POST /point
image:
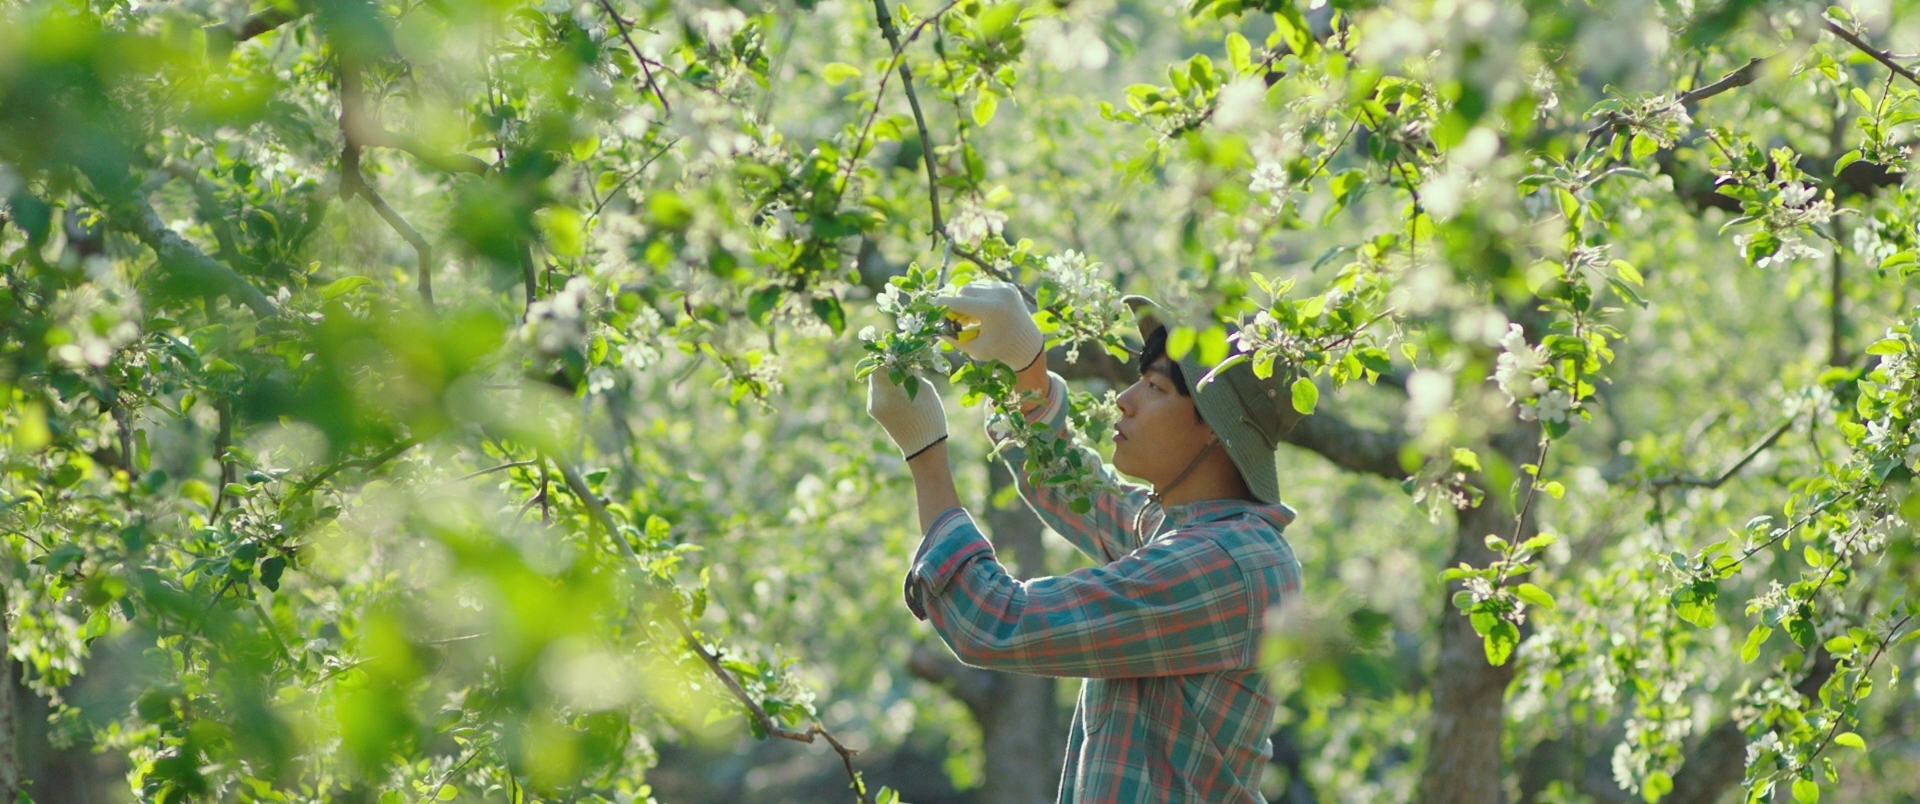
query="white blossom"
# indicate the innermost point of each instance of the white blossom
(1516, 368)
(1268, 177)
(1552, 406)
(972, 223)
(558, 321)
(1795, 194)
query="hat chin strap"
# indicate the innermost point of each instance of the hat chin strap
(1159, 493)
(1139, 516)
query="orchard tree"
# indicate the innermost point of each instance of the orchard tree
(425, 401)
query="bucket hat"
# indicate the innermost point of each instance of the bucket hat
(1249, 414)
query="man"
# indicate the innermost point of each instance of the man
(1167, 629)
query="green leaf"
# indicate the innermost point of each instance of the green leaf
(270, 571)
(1850, 740)
(1656, 786)
(839, 72)
(1644, 146)
(1887, 346)
(761, 304)
(1180, 342)
(828, 309)
(1534, 595)
(344, 286)
(1755, 638)
(448, 792)
(1807, 791)
(1695, 602)
(1306, 395)
(1861, 97)
(1239, 51)
(1500, 641)
(1213, 345)
(1840, 644)
(997, 20)
(984, 106)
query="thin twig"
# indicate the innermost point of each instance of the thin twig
(892, 34)
(1782, 533)
(597, 512)
(1723, 477)
(364, 463)
(434, 793)
(645, 69)
(501, 467)
(1834, 730)
(357, 131)
(880, 93)
(1328, 156)
(602, 203)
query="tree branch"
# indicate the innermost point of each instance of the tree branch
(971, 685)
(670, 609)
(1349, 446)
(1732, 80)
(892, 34)
(1715, 482)
(645, 69)
(222, 38)
(1878, 55)
(370, 462)
(377, 137)
(184, 259)
(358, 132)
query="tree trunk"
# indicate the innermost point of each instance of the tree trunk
(9, 734)
(1469, 695)
(1016, 713)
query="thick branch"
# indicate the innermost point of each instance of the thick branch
(1878, 55)
(222, 38)
(1349, 446)
(265, 21)
(1737, 78)
(377, 137)
(184, 259)
(971, 685)
(1715, 482)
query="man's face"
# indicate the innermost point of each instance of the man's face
(1159, 432)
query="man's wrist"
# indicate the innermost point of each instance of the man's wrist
(1035, 383)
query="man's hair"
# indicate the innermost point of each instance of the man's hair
(1156, 348)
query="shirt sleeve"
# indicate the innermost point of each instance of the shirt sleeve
(1106, 531)
(1177, 606)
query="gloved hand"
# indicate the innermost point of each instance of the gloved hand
(914, 423)
(1006, 331)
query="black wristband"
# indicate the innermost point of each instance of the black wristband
(917, 453)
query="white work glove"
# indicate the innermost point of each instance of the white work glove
(996, 324)
(915, 423)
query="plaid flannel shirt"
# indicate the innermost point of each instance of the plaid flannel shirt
(1166, 631)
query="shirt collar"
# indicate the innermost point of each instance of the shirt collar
(1202, 511)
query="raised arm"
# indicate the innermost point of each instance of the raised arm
(1181, 605)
